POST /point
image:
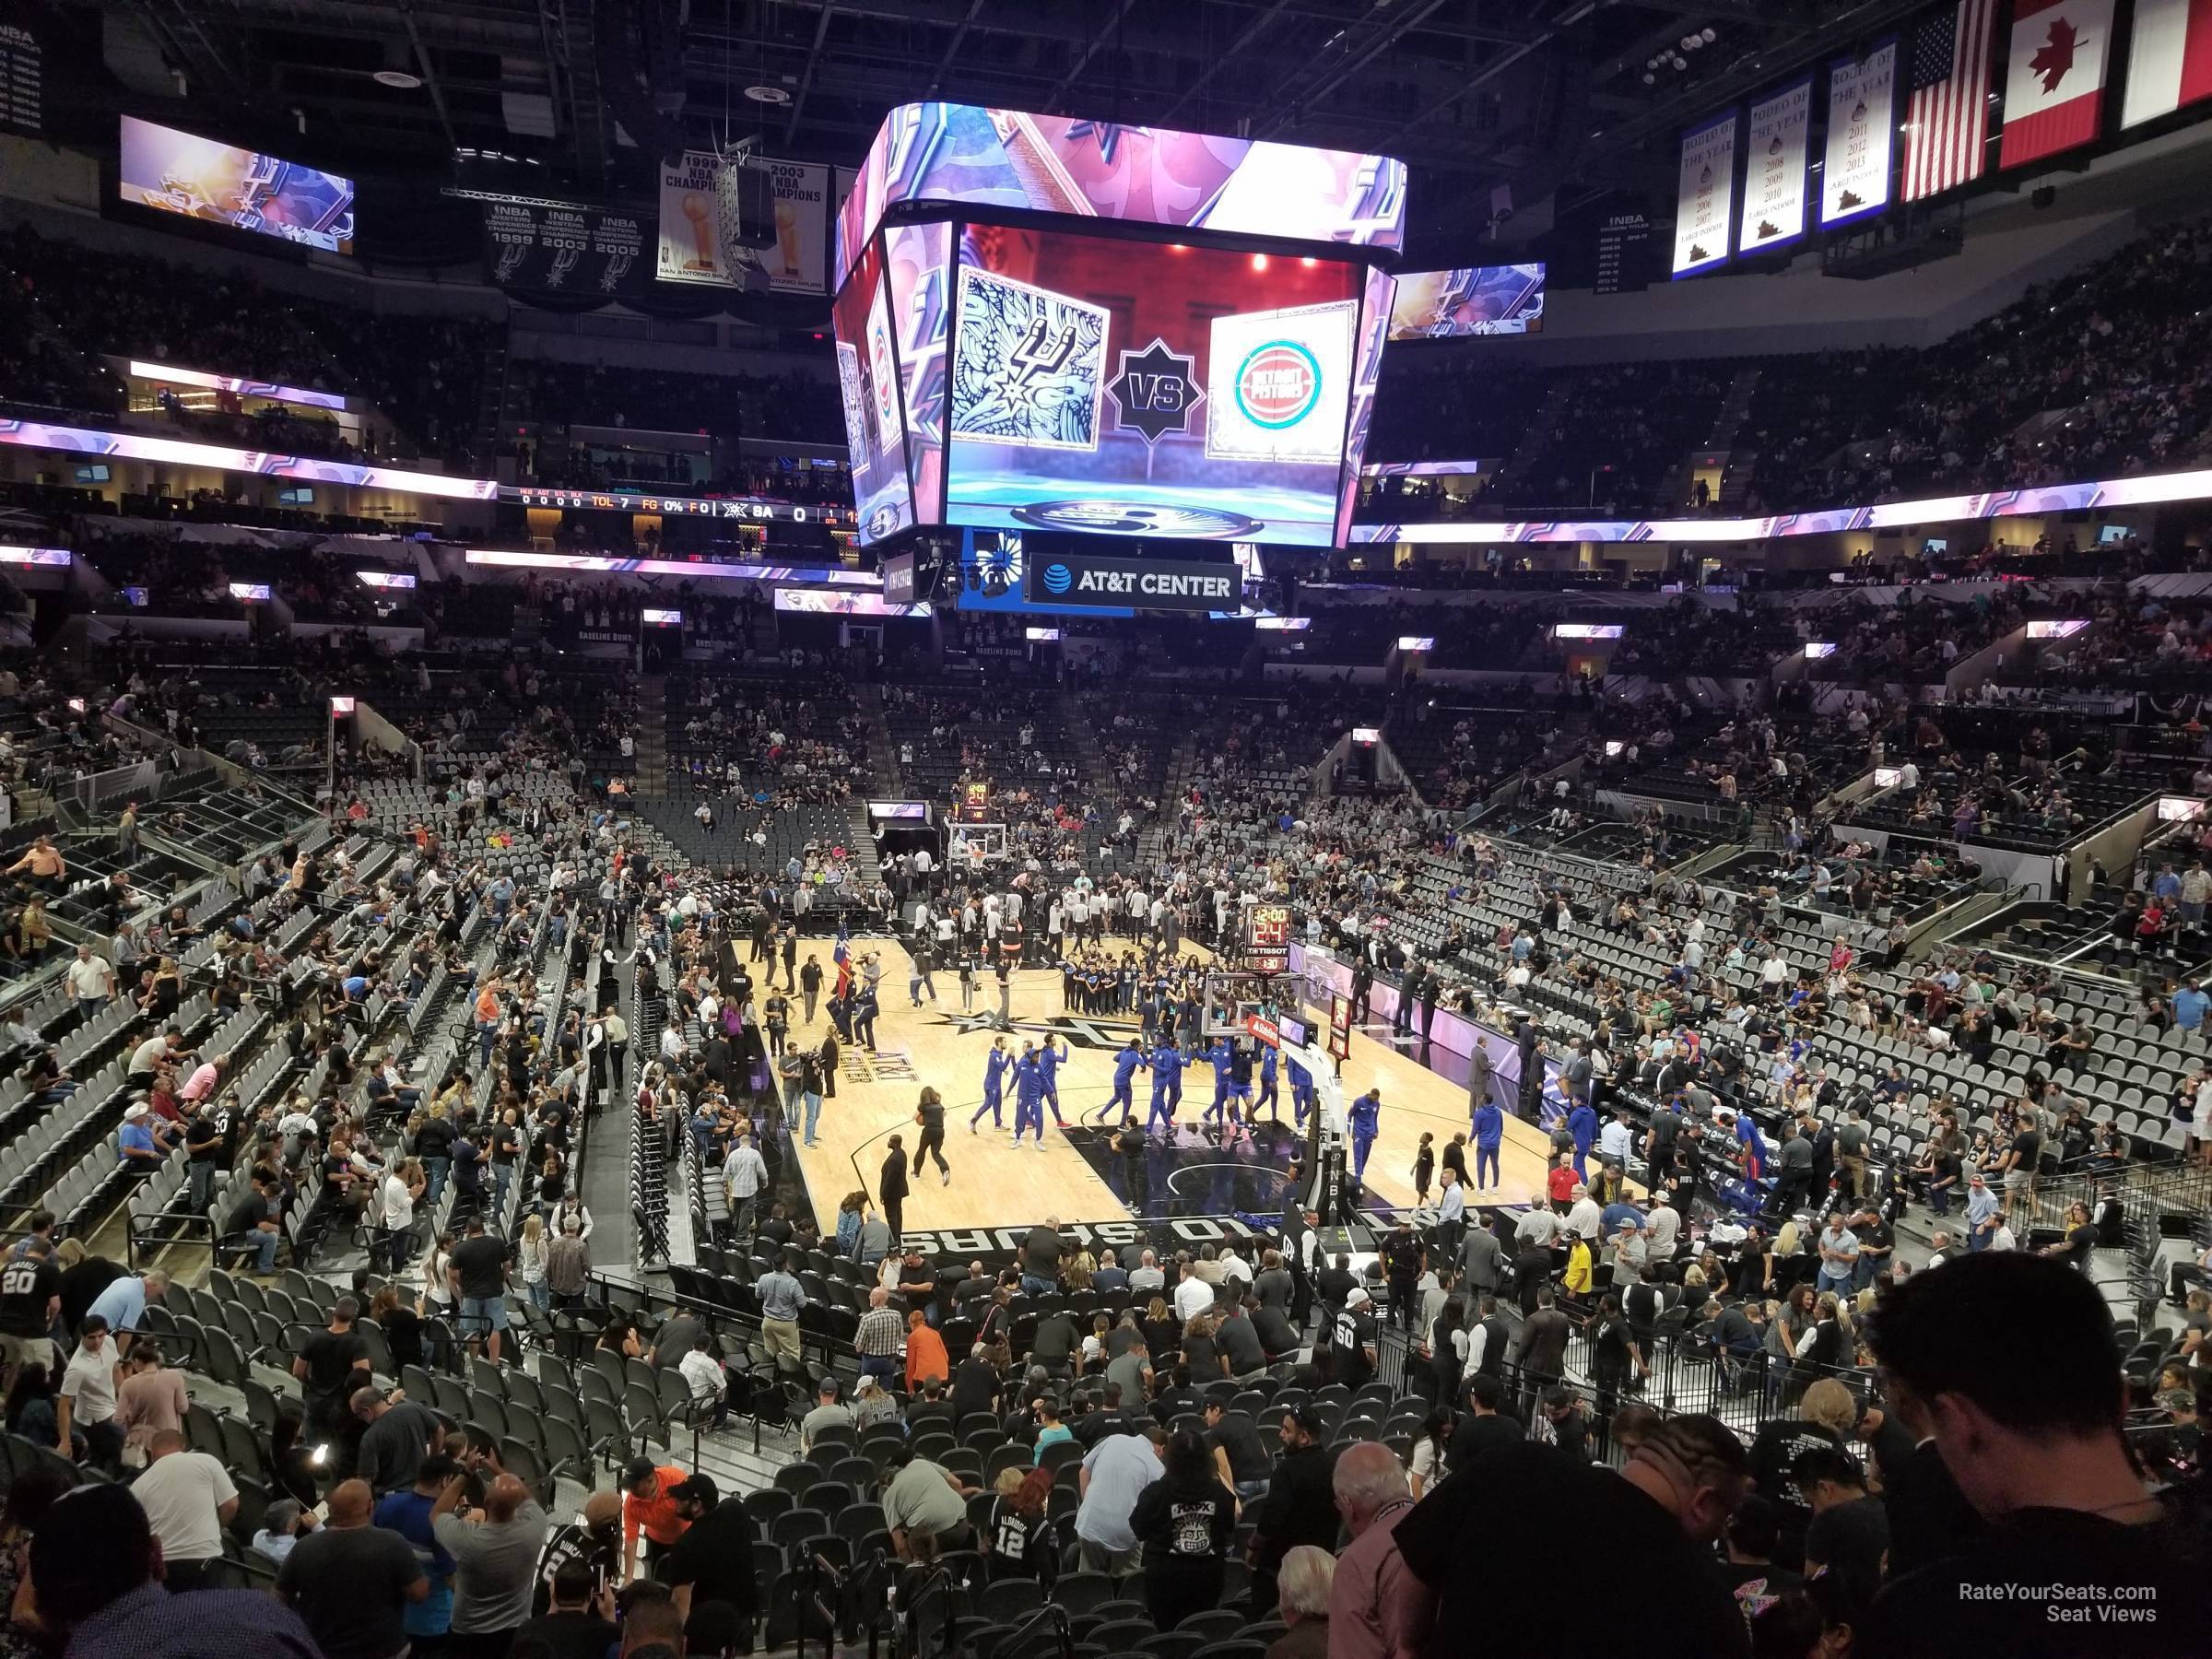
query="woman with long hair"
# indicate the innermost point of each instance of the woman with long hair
(1425, 1468)
(1018, 1541)
(848, 1224)
(530, 1254)
(1183, 1521)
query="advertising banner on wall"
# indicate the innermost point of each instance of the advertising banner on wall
(1774, 151)
(1862, 102)
(1703, 204)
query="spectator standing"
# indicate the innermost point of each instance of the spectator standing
(88, 1404)
(188, 1501)
(1300, 1504)
(1371, 1494)
(650, 1509)
(352, 1582)
(494, 1558)
(408, 1514)
(1114, 1475)
(709, 1571)
(1182, 1522)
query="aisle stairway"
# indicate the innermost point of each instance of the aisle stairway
(1082, 738)
(652, 737)
(883, 754)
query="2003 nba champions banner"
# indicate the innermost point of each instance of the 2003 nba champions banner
(1703, 207)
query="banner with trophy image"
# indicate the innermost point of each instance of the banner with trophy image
(691, 250)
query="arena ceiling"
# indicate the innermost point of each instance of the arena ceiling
(1476, 95)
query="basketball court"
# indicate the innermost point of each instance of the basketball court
(1078, 1176)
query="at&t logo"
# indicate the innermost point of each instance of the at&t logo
(1056, 579)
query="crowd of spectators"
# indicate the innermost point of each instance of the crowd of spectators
(793, 407)
(425, 373)
(2112, 354)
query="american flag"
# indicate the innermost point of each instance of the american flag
(1947, 113)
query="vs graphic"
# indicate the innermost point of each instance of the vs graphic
(1155, 391)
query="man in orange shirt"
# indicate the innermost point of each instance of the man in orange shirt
(487, 1020)
(651, 1506)
(924, 1353)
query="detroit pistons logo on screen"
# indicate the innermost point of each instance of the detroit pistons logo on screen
(1278, 384)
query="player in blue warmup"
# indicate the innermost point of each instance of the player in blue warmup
(1268, 1097)
(1218, 1057)
(1048, 1061)
(1489, 1130)
(1240, 1109)
(1366, 1115)
(1581, 1122)
(1301, 1088)
(1126, 1065)
(1029, 1094)
(995, 1077)
(1166, 1086)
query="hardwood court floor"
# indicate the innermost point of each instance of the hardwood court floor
(995, 1184)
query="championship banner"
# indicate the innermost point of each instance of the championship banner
(564, 250)
(1862, 123)
(1774, 152)
(1704, 204)
(689, 248)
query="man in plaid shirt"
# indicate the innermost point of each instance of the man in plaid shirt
(879, 1338)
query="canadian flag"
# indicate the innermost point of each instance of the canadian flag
(2168, 59)
(2055, 83)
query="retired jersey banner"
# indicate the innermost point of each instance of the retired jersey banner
(1862, 123)
(1774, 151)
(1705, 202)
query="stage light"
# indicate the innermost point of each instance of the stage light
(1259, 262)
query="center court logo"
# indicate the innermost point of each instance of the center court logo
(1278, 384)
(1056, 579)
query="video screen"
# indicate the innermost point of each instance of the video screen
(1126, 388)
(205, 179)
(867, 380)
(1473, 299)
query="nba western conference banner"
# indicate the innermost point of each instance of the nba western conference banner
(1862, 123)
(797, 262)
(1705, 202)
(1131, 581)
(564, 250)
(1774, 147)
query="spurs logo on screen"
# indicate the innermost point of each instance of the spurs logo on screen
(1155, 391)
(1029, 367)
(1280, 383)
